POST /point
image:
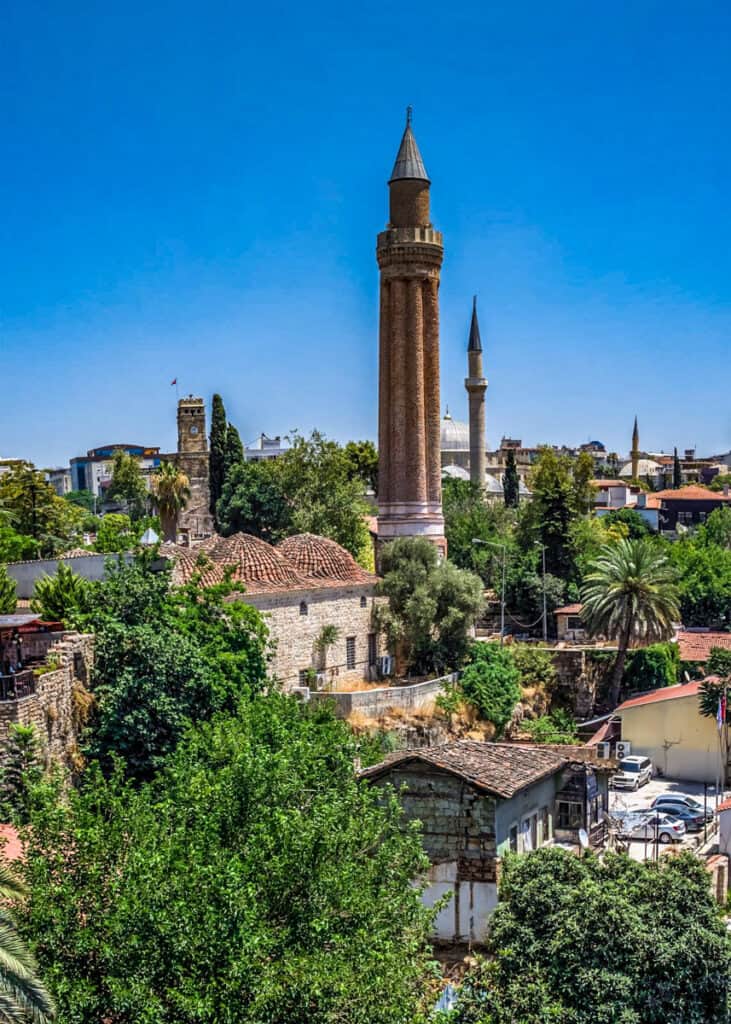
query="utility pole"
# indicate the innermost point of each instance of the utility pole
(504, 549)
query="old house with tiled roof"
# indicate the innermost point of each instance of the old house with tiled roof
(672, 510)
(476, 802)
(302, 587)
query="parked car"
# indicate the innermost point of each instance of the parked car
(662, 827)
(693, 819)
(676, 801)
(633, 772)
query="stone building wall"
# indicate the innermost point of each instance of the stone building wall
(375, 702)
(295, 620)
(51, 707)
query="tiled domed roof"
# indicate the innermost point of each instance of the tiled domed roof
(258, 565)
(323, 559)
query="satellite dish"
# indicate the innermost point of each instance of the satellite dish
(583, 839)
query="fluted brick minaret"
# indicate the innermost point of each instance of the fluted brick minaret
(409, 255)
(635, 453)
(476, 385)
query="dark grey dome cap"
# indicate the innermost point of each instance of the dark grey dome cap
(409, 165)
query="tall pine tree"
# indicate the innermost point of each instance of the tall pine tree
(217, 448)
(677, 473)
(511, 484)
(234, 451)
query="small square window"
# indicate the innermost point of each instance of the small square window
(364, 601)
(303, 607)
(350, 652)
(372, 649)
(303, 677)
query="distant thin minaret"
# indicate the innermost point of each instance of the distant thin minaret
(635, 453)
(476, 385)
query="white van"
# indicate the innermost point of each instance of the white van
(633, 772)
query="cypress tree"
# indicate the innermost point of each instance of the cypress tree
(217, 449)
(234, 451)
(677, 473)
(511, 484)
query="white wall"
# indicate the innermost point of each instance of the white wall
(465, 917)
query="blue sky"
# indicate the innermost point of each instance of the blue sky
(194, 190)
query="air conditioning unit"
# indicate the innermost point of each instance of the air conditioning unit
(603, 751)
(320, 679)
(623, 748)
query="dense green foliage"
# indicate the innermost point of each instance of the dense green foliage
(255, 880)
(116, 533)
(511, 481)
(556, 727)
(636, 525)
(21, 771)
(62, 597)
(311, 488)
(165, 657)
(23, 996)
(704, 573)
(578, 940)
(362, 459)
(535, 666)
(170, 495)
(432, 606)
(719, 662)
(491, 682)
(630, 595)
(720, 481)
(128, 485)
(8, 596)
(648, 668)
(84, 499)
(35, 521)
(217, 450)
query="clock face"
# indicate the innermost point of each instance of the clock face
(194, 429)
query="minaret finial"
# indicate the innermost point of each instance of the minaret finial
(474, 303)
(409, 115)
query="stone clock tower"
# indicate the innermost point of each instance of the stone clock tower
(192, 457)
(409, 254)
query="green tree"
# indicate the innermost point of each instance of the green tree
(165, 657)
(170, 495)
(128, 485)
(62, 597)
(8, 596)
(22, 770)
(704, 575)
(491, 682)
(217, 450)
(17, 547)
(719, 662)
(254, 501)
(83, 499)
(23, 996)
(677, 472)
(720, 481)
(115, 534)
(535, 666)
(556, 727)
(630, 595)
(36, 512)
(432, 606)
(254, 881)
(649, 668)
(234, 450)
(362, 463)
(467, 516)
(663, 957)
(511, 482)
(716, 530)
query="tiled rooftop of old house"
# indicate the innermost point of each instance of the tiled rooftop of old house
(499, 768)
(301, 563)
(696, 645)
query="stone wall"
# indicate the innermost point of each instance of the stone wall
(579, 684)
(51, 707)
(25, 574)
(379, 701)
(296, 619)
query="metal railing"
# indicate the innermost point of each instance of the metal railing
(17, 685)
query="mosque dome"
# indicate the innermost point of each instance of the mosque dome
(322, 558)
(455, 472)
(454, 435)
(645, 467)
(492, 484)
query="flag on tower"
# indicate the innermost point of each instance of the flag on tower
(174, 381)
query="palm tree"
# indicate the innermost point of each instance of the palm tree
(170, 494)
(630, 593)
(23, 997)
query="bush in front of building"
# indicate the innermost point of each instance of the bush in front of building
(649, 668)
(491, 682)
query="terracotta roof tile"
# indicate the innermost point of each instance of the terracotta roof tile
(322, 558)
(692, 492)
(568, 609)
(725, 805)
(697, 646)
(499, 768)
(662, 694)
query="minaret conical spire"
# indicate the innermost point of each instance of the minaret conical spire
(409, 164)
(475, 342)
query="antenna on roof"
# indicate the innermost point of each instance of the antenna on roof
(409, 115)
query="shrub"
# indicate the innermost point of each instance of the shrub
(492, 683)
(649, 668)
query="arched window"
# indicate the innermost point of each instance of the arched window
(303, 607)
(363, 601)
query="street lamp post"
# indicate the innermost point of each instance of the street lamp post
(503, 548)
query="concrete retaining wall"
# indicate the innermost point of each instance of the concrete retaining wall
(25, 574)
(377, 701)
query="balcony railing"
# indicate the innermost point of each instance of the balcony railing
(17, 685)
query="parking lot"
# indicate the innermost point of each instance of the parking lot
(626, 800)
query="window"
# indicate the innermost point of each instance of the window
(303, 607)
(513, 838)
(546, 825)
(372, 649)
(363, 601)
(569, 814)
(350, 652)
(303, 675)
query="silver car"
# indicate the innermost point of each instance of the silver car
(662, 827)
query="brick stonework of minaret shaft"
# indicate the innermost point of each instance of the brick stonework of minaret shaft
(476, 386)
(409, 254)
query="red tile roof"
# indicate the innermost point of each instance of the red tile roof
(691, 492)
(662, 694)
(264, 569)
(499, 768)
(697, 646)
(568, 609)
